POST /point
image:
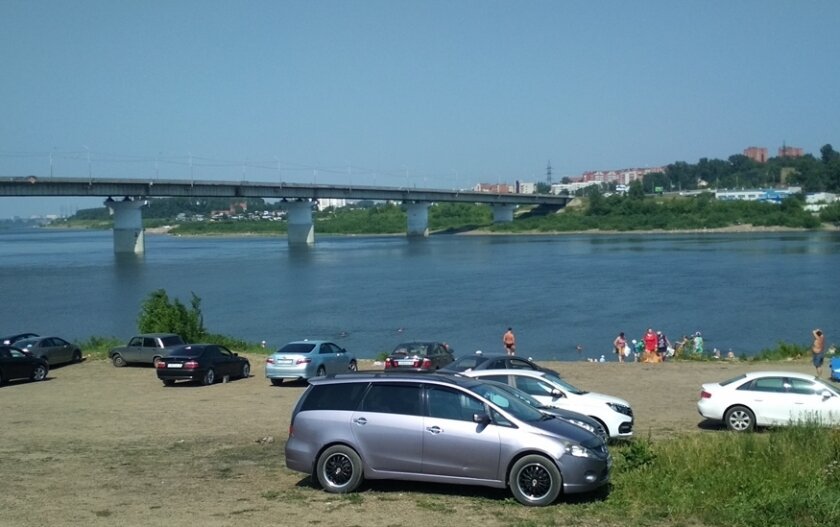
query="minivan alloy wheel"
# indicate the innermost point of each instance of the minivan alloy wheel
(535, 481)
(339, 469)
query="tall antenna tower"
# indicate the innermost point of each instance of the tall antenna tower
(548, 173)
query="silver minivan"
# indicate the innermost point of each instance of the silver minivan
(440, 429)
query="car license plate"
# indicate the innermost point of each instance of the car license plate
(174, 365)
(284, 361)
(405, 362)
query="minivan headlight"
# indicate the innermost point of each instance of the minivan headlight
(577, 450)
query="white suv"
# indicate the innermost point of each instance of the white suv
(613, 413)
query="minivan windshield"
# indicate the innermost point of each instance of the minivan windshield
(510, 403)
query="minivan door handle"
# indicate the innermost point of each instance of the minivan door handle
(434, 429)
(360, 421)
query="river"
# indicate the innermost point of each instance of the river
(744, 292)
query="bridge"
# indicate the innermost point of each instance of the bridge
(126, 197)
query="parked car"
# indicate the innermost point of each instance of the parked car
(614, 414)
(55, 350)
(419, 356)
(146, 348)
(17, 364)
(204, 363)
(305, 359)
(493, 361)
(770, 398)
(441, 429)
(11, 339)
(576, 418)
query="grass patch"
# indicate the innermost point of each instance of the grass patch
(782, 477)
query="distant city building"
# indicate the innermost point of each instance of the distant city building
(523, 187)
(335, 203)
(819, 200)
(571, 188)
(494, 188)
(770, 195)
(790, 151)
(756, 153)
(622, 176)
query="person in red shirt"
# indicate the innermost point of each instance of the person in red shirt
(650, 346)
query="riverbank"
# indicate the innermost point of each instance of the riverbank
(745, 229)
(119, 441)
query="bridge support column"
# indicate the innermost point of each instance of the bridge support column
(418, 220)
(128, 225)
(301, 229)
(503, 213)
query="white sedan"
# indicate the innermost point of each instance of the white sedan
(614, 414)
(769, 398)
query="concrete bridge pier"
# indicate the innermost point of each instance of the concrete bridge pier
(299, 218)
(503, 213)
(128, 225)
(418, 219)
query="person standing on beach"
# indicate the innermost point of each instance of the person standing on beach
(818, 350)
(509, 340)
(619, 344)
(650, 346)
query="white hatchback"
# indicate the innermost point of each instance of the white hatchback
(613, 413)
(768, 398)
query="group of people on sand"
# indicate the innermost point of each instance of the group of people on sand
(654, 346)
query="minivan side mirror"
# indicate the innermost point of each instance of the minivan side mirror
(556, 393)
(826, 394)
(481, 418)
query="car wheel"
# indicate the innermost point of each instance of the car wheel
(39, 373)
(339, 469)
(321, 372)
(535, 481)
(739, 419)
(246, 371)
(77, 356)
(353, 366)
(118, 360)
(209, 377)
(169, 382)
(276, 382)
(155, 361)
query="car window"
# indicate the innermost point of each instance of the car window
(445, 403)
(804, 387)
(498, 378)
(17, 354)
(496, 364)
(466, 363)
(326, 349)
(225, 352)
(46, 343)
(148, 342)
(765, 384)
(60, 342)
(519, 364)
(390, 398)
(173, 340)
(342, 396)
(533, 386)
(135, 341)
(297, 347)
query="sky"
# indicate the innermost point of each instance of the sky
(438, 94)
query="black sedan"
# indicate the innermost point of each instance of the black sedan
(204, 363)
(17, 364)
(491, 361)
(420, 356)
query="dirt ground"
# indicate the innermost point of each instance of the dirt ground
(97, 445)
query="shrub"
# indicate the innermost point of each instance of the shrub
(159, 315)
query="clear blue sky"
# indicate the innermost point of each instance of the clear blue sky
(432, 93)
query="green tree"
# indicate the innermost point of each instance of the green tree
(636, 191)
(543, 187)
(160, 315)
